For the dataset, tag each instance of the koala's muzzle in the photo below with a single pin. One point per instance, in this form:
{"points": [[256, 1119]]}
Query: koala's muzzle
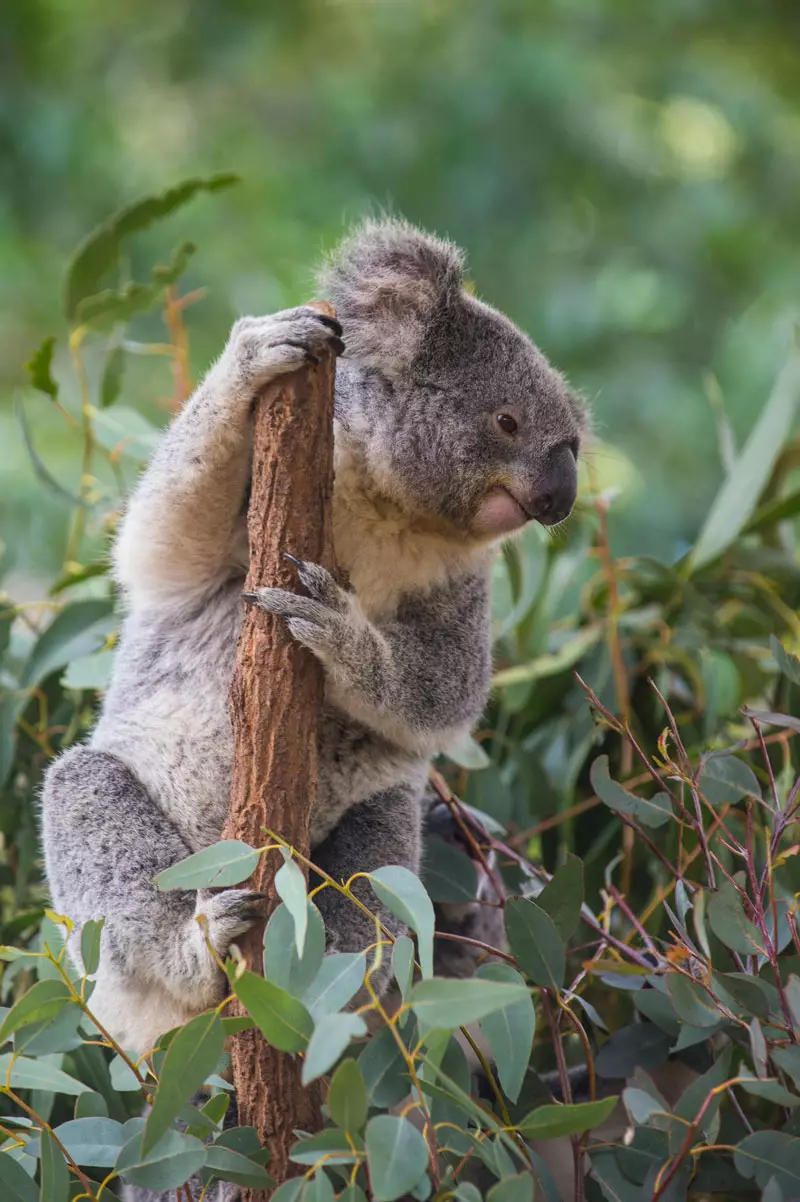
{"points": [[549, 496]]}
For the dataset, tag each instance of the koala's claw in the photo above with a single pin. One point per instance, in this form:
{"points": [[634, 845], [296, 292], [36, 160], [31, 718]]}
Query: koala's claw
{"points": [[229, 913], [331, 322], [261, 348], [320, 618]]}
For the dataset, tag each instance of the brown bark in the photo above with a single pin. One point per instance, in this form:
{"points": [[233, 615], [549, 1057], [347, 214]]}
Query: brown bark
{"points": [[275, 702]]}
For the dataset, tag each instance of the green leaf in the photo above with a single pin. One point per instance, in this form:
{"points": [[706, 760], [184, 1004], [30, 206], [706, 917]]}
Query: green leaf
{"points": [[692, 1003], [111, 382], [38, 464], [448, 873], [17, 1185], [549, 1122], [614, 1185], [109, 307], [727, 921], [282, 1019], [788, 664], [42, 1002], [39, 1074], [512, 1189], [39, 369], [772, 512], [55, 1175], [404, 895], [562, 897], [339, 979], [744, 992], [282, 965], [536, 944], [652, 812], [788, 1059], [230, 1165], [384, 1070], [347, 1098], [452, 1003], [695, 1095], [58, 1034], [397, 1156], [639, 1046], [95, 1142], [726, 779], [79, 629], [290, 885], [403, 964], [91, 1105], [166, 1166], [122, 430], [330, 1146], [509, 1032], [770, 1089], [90, 671], [767, 1154], [91, 933], [738, 497], [123, 1079], [191, 1058], [467, 753], [98, 254], [222, 864], [551, 664], [332, 1035]]}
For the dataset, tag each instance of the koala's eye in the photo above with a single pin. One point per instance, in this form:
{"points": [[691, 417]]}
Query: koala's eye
{"points": [[506, 423]]}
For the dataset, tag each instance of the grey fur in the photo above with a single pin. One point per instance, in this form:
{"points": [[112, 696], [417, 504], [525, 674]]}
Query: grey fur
{"points": [[419, 458]]}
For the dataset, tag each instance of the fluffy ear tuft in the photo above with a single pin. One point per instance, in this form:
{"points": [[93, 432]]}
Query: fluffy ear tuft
{"points": [[387, 280]]}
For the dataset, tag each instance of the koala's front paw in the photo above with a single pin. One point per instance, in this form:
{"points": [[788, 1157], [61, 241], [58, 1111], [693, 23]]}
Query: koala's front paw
{"points": [[261, 348], [323, 621], [228, 913]]}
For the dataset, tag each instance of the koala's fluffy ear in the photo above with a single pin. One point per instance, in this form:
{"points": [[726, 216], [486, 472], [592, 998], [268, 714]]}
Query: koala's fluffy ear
{"points": [[388, 281]]}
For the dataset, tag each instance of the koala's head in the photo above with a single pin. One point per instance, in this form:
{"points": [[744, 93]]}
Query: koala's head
{"points": [[458, 414]]}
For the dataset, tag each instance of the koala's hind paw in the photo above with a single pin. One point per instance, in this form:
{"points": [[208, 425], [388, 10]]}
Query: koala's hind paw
{"points": [[228, 913]]}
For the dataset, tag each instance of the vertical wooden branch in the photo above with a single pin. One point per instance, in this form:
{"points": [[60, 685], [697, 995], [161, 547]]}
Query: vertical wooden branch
{"points": [[275, 702]]}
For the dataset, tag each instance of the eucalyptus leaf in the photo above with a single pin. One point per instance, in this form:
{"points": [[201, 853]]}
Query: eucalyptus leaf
{"points": [[222, 864]]}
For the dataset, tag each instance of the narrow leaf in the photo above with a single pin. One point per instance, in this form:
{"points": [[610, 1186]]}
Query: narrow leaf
{"points": [[537, 946], [397, 1156], [332, 1035], [222, 864], [191, 1058], [282, 1019], [404, 895]]}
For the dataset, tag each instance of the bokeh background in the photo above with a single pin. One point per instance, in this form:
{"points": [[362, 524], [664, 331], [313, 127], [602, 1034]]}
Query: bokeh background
{"points": [[624, 179]]}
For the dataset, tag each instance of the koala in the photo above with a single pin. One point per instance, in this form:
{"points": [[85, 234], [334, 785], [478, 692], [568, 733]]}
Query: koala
{"points": [[452, 431]]}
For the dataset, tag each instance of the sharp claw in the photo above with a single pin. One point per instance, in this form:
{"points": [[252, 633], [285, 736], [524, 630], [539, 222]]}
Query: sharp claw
{"points": [[331, 323], [252, 598], [292, 559]]}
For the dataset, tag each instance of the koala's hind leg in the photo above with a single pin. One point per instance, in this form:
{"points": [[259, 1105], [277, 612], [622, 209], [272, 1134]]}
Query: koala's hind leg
{"points": [[104, 841], [384, 829]]}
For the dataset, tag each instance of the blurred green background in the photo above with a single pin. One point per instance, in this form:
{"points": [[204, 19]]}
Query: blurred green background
{"points": [[623, 177]]}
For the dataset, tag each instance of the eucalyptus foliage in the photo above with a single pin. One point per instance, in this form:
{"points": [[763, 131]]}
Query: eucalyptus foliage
{"points": [[630, 804]]}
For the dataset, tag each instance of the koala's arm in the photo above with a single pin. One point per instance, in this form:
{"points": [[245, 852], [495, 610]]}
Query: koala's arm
{"points": [[184, 531], [419, 679]]}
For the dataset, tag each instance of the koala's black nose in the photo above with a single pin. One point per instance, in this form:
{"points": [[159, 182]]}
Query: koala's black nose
{"points": [[555, 491]]}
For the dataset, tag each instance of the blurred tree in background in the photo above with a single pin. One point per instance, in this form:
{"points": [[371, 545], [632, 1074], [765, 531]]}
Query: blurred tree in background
{"points": [[625, 183]]}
